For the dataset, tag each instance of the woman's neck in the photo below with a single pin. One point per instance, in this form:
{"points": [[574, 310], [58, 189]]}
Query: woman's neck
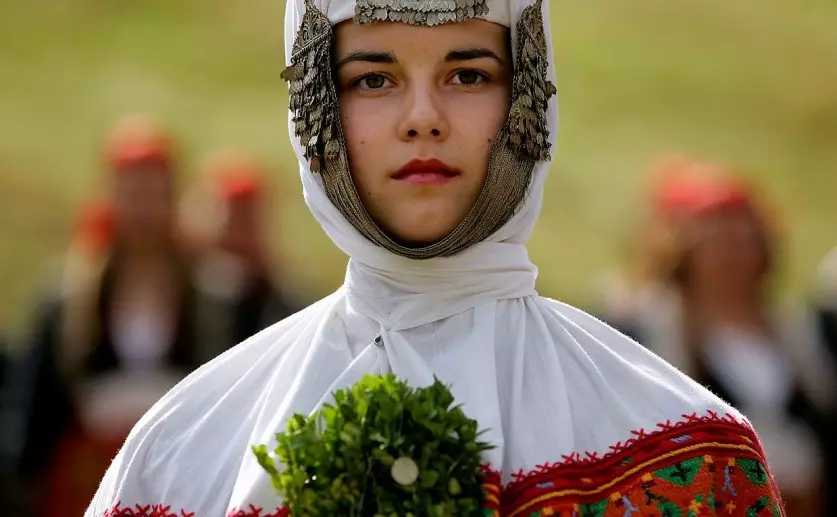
{"points": [[144, 255], [154, 269]]}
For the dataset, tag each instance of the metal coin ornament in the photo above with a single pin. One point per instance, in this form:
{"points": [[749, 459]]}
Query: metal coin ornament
{"points": [[418, 12]]}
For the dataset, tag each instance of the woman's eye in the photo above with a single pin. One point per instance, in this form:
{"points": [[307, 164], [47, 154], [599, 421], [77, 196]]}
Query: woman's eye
{"points": [[468, 77], [372, 82]]}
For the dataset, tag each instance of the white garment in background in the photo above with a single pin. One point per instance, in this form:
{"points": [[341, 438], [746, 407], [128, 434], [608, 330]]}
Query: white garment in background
{"points": [[761, 379], [141, 339]]}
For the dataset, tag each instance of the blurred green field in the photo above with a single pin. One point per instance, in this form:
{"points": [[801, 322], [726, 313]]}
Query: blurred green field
{"points": [[753, 83]]}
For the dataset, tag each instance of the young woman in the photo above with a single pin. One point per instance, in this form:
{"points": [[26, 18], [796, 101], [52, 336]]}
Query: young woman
{"points": [[240, 292], [424, 148]]}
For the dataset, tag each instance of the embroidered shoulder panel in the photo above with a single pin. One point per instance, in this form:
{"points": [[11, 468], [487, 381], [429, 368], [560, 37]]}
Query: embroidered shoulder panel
{"points": [[708, 465], [702, 465]]}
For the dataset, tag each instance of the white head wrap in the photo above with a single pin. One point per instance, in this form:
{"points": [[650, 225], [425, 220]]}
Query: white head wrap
{"points": [[544, 379]]}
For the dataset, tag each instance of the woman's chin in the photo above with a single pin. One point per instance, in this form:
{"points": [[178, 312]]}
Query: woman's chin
{"points": [[422, 231]]}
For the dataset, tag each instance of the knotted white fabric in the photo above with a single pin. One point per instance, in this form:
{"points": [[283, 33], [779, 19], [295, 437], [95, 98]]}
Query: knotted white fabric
{"points": [[545, 379]]}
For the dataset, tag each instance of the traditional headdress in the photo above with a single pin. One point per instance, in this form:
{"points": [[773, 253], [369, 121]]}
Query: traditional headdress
{"points": [[138, 140], [93, 232], [235, 175], [519, 153], [697, 195]]}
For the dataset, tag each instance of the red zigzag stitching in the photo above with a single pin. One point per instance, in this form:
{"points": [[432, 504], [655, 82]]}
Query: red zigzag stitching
{"points": [[573, 459], [159, 510], [587, 458]]}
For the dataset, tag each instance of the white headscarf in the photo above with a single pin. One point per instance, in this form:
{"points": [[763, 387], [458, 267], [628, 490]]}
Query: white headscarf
{"points": [[544, 379]]}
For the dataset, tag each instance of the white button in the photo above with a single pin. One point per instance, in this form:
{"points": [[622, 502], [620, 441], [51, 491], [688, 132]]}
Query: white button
{"points": [[404, 471]]}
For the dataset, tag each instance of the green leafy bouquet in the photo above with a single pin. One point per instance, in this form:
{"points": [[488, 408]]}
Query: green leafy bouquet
{"points": [[381, 449]]}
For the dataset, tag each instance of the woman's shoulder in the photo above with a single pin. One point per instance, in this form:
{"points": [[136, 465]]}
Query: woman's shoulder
{"points": [[617, 363], [701, 465], [646, 439], [182, 450], [239, 372]]}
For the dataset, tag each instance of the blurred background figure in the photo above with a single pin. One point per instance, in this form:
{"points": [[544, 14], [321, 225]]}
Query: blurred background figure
{"points": [[120, 330], [703, 301], [825, 303], [5, 351], [139, 301], [234, 273], [35, 406]]}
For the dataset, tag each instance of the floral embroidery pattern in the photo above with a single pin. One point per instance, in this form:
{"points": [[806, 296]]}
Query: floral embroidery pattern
{"points": [[702, 465], [699, 466]]}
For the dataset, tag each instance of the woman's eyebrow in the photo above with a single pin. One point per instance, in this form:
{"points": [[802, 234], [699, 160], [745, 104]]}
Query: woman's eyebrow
{"points": [[368, 56], [467, 54]]}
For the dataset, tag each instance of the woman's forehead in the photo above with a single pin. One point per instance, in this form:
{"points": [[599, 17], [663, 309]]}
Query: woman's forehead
{"points": [[394, 36]]}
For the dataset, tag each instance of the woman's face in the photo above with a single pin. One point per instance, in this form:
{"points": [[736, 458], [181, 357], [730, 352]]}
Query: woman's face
{"points": [[143, 201], [420, 107], [240, 232], [729, 255]]}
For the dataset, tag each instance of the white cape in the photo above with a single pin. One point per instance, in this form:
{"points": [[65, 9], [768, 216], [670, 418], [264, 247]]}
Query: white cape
{"points": [[546, 380]]}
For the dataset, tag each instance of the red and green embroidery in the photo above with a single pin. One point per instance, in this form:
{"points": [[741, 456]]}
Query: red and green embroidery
{"points": [[701, 466]]}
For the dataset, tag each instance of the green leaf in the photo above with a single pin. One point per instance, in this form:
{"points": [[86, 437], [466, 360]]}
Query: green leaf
{"points": [[428, 478]]}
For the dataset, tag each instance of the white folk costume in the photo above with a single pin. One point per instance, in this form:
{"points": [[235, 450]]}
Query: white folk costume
{"points": [[584, 420]]}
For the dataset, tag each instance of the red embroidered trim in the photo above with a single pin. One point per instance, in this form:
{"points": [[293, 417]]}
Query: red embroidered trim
{"points": [[159, 510], [492, 488], [255, 511], [713, 433], [586, 459], [149, 510], [590, 478]]}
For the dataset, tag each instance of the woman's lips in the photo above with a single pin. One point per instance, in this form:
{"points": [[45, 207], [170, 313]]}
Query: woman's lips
{"points": [[425, 172]]}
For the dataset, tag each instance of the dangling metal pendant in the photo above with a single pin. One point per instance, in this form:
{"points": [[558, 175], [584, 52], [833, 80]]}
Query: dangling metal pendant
{"points": [[419, 12], [313, 99], [531, 90]]}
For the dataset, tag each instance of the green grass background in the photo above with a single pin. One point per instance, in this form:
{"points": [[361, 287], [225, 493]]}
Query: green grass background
{"points": [[750, 82]]}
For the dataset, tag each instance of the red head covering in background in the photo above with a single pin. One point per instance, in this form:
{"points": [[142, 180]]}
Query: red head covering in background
{"points": [[94, 227], [233, 183], [686, 190], [138, 140], [236, 175], [238, 185], [692, 188]]}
